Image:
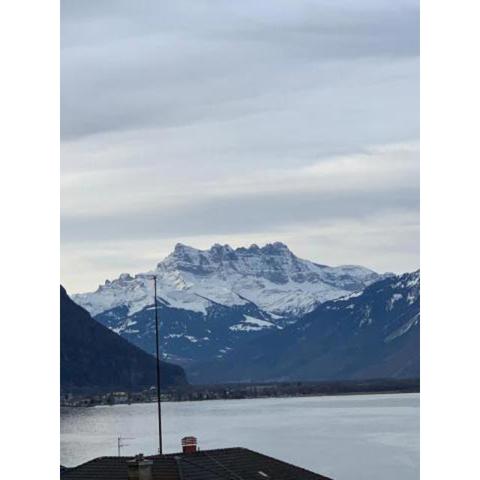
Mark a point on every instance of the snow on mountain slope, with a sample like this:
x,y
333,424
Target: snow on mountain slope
x,y
370,334
271,277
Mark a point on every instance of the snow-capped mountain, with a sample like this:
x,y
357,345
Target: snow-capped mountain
x,y
210,300
272,278
370,334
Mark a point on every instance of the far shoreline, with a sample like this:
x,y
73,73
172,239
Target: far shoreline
x,y
197,393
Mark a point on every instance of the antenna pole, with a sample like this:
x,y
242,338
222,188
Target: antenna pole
x,y
120,444
160,450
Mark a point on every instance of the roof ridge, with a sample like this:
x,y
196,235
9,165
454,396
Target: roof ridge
x,y
286,463
93,460
202,451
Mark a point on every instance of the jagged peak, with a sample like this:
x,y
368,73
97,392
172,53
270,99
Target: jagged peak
x,y
277,248
269,248
223,248
270,276
409,279
279,245
125,276
181,247
122,278
274,247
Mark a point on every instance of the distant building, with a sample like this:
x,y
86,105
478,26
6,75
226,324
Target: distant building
x,y
119,397
191,464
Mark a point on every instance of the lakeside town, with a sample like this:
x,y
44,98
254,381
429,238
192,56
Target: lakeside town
x,y
241,391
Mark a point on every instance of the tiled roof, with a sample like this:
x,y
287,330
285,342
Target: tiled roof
x,y
113,468
221,464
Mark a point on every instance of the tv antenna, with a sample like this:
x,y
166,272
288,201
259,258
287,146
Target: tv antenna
x,y
120,443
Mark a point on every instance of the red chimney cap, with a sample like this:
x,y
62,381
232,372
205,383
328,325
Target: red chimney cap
x,y
189,441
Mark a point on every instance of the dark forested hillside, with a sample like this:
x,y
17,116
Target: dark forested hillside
x,y
369,334
94,358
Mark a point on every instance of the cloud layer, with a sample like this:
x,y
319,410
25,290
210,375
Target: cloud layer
x,y
203,121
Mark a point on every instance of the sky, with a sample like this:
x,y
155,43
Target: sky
x,y
212,121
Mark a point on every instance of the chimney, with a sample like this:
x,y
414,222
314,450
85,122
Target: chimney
x,y
139,468
189,444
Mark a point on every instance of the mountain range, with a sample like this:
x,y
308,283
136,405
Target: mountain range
x,y
370,334
93,358
262,313
211,301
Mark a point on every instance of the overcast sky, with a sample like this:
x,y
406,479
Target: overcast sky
x,y
217,121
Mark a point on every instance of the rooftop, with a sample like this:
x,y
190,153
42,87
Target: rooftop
x,y
219,464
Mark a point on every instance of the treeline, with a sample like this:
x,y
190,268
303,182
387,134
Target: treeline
x,y
292,389
241,391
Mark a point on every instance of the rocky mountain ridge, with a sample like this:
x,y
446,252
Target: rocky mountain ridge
x,y
271,277
212,301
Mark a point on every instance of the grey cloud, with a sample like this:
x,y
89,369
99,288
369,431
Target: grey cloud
x,y
368,104
170,108
237,214
133,65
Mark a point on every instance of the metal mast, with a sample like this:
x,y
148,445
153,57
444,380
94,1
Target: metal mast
x,y
160,449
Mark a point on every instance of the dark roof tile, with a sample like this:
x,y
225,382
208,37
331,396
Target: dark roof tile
x,y
220,464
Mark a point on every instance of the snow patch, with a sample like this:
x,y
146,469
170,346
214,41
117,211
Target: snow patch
x,y
257,321
395,298
252,324
403,329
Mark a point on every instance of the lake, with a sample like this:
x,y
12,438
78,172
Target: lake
x,y
345,437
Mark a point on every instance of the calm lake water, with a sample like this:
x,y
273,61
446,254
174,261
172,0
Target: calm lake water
x,y
347,437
